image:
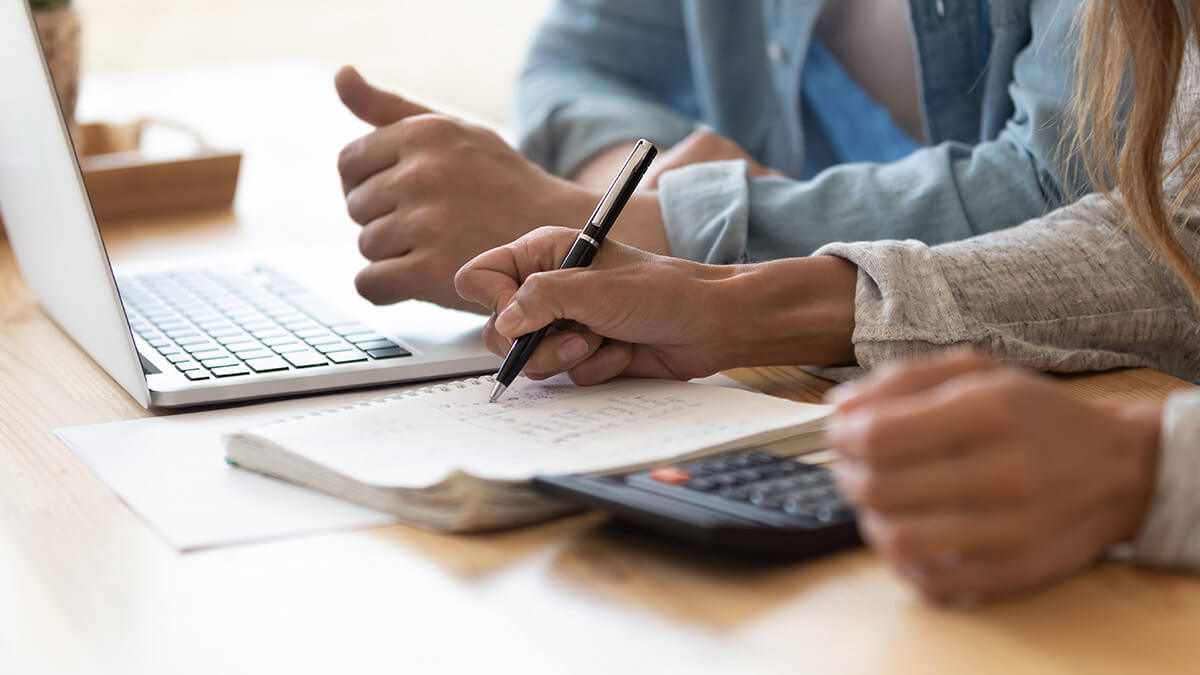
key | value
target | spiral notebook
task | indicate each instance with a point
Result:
(445, 459)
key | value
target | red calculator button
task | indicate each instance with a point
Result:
(672, 475)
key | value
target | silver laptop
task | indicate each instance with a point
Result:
(187, 337)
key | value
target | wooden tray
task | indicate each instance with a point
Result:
(125, 183)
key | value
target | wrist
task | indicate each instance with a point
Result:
(1139, 426)
(640, 223)
(798, 311)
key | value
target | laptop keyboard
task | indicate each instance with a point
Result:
(221, 324)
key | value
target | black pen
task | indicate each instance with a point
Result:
(582, 251)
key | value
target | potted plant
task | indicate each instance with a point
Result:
(58, 27)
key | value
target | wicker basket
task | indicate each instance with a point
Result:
(59, 30)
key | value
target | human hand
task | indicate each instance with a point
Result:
(628, 313)
(700, 146)
(432, 191)
(975, 480)
(638, 314)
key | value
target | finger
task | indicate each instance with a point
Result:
(385, 238)
(373, 198)
(561, 351)
(942, 421)
(492, 277)
(366, 156)
(372, 104)
(391, 280)
(937, 539)
(909, 378)
(990, 477)
(546, 297)
(494, 341)
(609, 361)
(701, 145)
(1038, 563)
(759, 171)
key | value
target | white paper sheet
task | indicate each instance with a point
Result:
(171, 471)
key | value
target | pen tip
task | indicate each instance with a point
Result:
(497, 392)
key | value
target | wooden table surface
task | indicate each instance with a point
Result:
(86, 587)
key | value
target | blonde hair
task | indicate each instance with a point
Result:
(1130, 62)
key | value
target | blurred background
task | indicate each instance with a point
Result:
(462, 53)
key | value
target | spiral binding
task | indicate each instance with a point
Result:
(366, 403)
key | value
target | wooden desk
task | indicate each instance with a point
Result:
(85, 587)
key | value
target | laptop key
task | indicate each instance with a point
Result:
(229, 371)
(219, 362)
(278, 340)
(178, 357)
(183, 366)
(388, 353)
(244, 346)
(364, 337)
(196, 375)
(375, 344)
(305, 359)
(267, 364)
(202, 347)
(347, 356)
(323, 340)
(339, 346)
(234, 338)
(291, 347)
(205, 354)
(311, 332)
(255, 354)
(351, 329)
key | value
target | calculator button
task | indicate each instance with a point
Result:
(671, 475)
(700, 484)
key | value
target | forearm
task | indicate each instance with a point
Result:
(786, 312)
(598, 171)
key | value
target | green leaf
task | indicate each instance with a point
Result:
(48, 4)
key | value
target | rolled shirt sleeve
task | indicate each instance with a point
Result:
(1170, 535)
(946, 192)
(586, 86)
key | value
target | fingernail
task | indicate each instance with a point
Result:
(573, 348)
(509, 319)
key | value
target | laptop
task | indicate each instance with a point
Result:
(186, 337)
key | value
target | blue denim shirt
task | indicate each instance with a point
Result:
(996, 80)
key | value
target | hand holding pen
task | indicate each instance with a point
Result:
(584, 249)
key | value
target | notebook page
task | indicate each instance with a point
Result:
(536, 428)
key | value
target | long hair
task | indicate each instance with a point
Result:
(1130, 62)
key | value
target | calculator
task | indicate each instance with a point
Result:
(743, 501)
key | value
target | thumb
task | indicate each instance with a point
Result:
(371, 104)
(544, 298)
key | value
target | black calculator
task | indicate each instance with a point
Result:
(748, 501)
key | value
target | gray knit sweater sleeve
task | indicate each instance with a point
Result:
(1073, 291)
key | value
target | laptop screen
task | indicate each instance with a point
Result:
(46, 211)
